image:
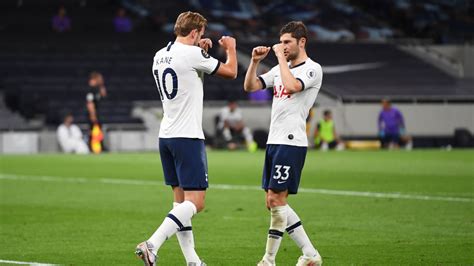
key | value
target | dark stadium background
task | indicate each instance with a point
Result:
(421, 54)
(361, 206)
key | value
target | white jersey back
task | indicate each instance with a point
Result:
(289, 111)
(178, 71)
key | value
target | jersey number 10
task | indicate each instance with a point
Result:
(163, 83)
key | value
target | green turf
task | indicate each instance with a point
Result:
(90, 222)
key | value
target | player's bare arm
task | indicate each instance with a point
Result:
(92, 112)
(228, 70)
(316, 132)
(252, 82)
(101, 85)
(292, 85)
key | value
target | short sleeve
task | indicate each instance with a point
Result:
(267, 79)
(90, 97)
(311, 77)
(202, 61)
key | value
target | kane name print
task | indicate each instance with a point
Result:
(164, 60)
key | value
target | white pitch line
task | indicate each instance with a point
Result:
(25, 263)
(238, 187)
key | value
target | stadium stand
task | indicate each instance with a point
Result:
(437, 21)
(11, 120)
(364, 72)
(44, 74)
(35, 88)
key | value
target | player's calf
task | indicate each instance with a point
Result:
(278, 223)
(297, 233)
(197, 197)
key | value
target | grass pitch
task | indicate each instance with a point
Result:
(78, 210)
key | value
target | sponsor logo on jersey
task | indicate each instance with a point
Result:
(280, 92)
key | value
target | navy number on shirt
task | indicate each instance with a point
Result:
(168, 71)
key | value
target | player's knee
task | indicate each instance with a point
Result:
(274, 200)
(199, 206)
(198, 203)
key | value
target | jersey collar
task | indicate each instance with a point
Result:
(300, 64)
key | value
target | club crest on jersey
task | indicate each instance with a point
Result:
(205, 54)
(311, 73)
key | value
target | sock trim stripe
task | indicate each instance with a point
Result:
(292, 227)
(275, 232)
(178, 223)
(186, 228)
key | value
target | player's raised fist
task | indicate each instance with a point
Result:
(100, 80)
(227, 42)
(279, 49)
(260, 52)
(205, 44)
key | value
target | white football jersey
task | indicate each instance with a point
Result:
(178, 71)
(289, 111)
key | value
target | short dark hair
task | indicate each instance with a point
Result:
(387, 101)
(66, 113)
(326, 112)
(94, 75)
(297, 29)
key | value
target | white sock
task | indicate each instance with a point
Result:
(186, 241)
(296, 231)
(277, 227)
(172, 223)
(247, 135)
(226, 133)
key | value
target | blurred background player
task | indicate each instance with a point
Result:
(325, 136)
(70, 137)
(61, 22)
(391, 127)
(181, 142)
(296, 81)
(122, 22)
(97, 92)
(232, 125)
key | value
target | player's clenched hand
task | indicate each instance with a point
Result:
(227, 42)
(100, 80)
(205, 44)
(279, 49)
(259, 53)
